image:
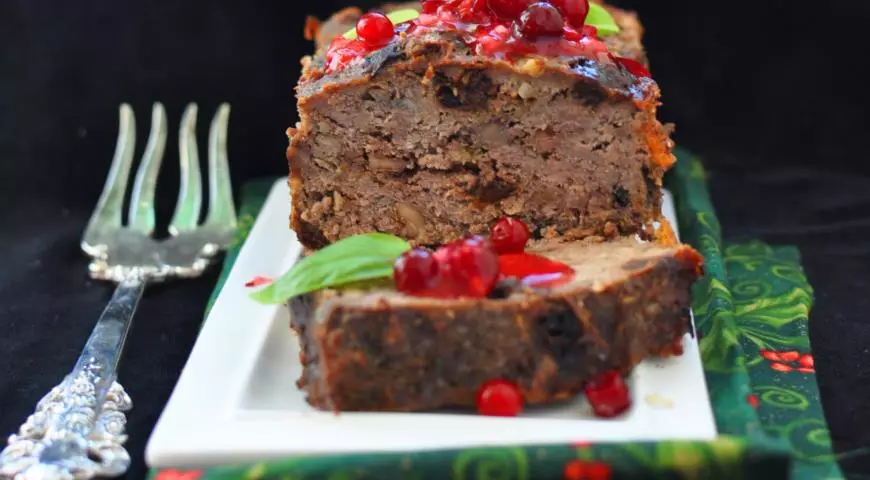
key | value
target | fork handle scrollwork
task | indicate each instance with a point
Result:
(77, 430)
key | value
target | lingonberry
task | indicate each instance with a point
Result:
(499, 398)
(509, 235)
(467, 267)
(415, 271)
(608, 395)
(540, 19)
(375, 29)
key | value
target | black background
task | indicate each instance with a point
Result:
(771, 93)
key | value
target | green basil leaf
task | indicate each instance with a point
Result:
(601, 19)
(397, 17)
(352, 260)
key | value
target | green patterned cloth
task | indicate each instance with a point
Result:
(751, 311)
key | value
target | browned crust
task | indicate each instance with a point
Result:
(388, 358)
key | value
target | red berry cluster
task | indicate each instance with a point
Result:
(373, 31)
(464, 268)
(607, 394)
(531, 19)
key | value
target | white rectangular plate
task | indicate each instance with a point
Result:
(237, 401)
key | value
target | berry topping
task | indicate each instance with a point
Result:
(415, 271)
(499, 398)
(574, 11)
(375, 29)
(342, 51)
(508, 9)
(467, 268)
(541, 19)
(608, 395)
(431, 6)
(509, 235)
(635, 68)
(534, 270)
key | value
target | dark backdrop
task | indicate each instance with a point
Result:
(772, 93)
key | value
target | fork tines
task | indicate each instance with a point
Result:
(221, 217)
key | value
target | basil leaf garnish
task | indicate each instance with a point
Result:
(351, 260)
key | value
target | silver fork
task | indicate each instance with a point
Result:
(77, 430)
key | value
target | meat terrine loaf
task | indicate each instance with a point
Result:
(385, 351)
(439, 132)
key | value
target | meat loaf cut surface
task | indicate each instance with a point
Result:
(429, 139)
(383, 351)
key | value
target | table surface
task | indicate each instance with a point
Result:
(782, 170)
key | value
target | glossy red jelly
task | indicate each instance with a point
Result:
(635, 68)
(534, 270)
(574, 11)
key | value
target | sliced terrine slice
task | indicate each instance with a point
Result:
(380, 350)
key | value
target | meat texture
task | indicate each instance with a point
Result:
(426, 140)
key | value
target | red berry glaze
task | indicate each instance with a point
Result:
(635, 68)
(574, 11)
(466, 268)
(534, 270)
(499, 398)
(415, 271)
(541, 19)
(509, 235)
(608, 395)
(508, 9)
(431, 6)
(342, 51)
(375, 29)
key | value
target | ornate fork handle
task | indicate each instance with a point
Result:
(77, 430)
